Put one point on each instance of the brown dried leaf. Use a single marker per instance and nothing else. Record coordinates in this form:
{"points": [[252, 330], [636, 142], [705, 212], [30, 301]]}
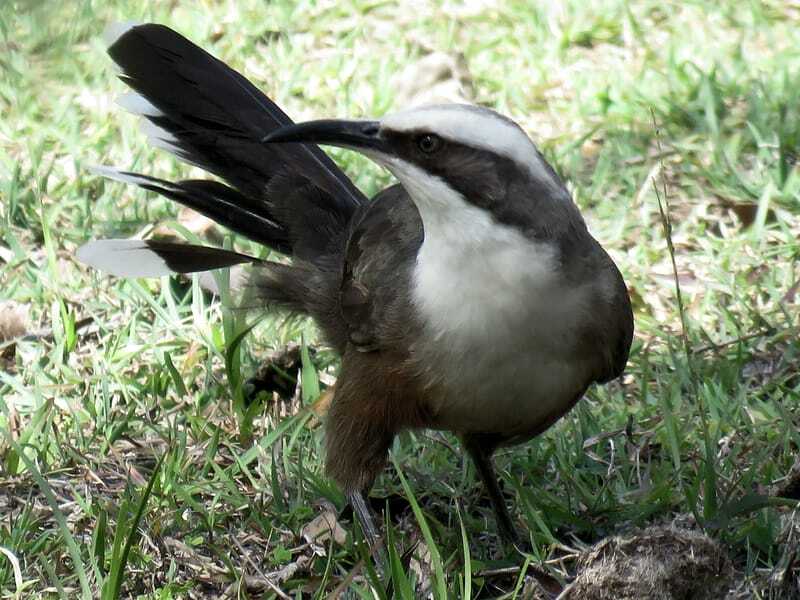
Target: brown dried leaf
{"points": [[13, 320], [791, 294], [321, 529], [747, 212], [136, 476], [600, 437]]}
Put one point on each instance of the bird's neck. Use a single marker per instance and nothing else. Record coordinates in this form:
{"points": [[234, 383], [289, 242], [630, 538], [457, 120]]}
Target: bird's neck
{"points": [[471, 271], [457, 229]]}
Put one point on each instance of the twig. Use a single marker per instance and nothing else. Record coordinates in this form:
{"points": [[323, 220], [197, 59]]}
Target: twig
{"points": [[47, 334], [666, 222], [266, 579], [639, 160], [499, 571], [721, 345]]}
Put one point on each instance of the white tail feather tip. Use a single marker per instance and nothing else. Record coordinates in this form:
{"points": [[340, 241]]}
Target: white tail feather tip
{"points": [[138, 105], [123, 258], [117, 175], [151, 130], [116, 30]]}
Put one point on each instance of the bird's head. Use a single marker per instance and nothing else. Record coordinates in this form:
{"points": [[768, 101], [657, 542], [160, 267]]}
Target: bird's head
{"points": [[448, 155]]}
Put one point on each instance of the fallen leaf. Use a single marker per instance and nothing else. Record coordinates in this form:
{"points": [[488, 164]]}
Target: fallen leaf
{"points": [[791, 293], [321, 529], [13, 320], [747, 212], [136, 476]]}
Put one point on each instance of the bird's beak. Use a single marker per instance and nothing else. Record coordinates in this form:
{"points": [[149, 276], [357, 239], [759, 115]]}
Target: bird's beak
{"points": [[358, 135]]}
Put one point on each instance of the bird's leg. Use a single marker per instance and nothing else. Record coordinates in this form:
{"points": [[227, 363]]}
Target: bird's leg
{"points": [[480, 450], [364, 515]]}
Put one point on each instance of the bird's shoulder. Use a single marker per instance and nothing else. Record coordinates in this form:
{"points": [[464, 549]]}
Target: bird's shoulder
{"points": [[381, 248]]}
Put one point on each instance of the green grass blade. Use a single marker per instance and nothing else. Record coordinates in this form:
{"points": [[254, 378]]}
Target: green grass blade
{"points": [[466, 594], [400, 580], [118, 566], [69, 540], [440, 586]]}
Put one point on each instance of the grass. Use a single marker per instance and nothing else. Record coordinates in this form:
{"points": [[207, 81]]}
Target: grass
{"points": [[127, 456]]}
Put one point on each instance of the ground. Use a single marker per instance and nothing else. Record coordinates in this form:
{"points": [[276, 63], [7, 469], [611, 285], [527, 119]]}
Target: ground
{"points": [[131, 464]]}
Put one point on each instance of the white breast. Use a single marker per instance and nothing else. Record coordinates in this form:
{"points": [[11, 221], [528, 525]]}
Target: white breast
{"points": [[496, 317], [475, 278]]}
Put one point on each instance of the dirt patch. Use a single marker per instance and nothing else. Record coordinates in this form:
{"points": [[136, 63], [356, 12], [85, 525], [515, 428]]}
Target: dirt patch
{"points": [[659, 563]]}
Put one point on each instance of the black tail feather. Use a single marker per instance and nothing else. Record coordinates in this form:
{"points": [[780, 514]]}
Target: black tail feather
{"points": [[290, 197], [215, 200], [209, 115], [218, 116]]}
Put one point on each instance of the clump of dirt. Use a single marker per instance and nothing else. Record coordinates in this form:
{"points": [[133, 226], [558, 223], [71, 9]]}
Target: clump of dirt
{"points": [[659, 563]]}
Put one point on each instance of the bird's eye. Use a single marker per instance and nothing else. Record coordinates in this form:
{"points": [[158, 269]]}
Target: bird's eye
{"points": [[429, 143]]}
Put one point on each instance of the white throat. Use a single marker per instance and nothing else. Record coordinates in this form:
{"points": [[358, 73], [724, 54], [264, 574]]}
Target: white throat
{"points": [[474, 276]]}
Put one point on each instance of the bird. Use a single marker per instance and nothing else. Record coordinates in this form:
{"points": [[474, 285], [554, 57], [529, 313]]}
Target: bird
{"points": [[469, 296]]}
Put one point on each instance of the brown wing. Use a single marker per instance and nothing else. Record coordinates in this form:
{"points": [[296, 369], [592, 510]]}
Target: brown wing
{"points": [[375, 295]]}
